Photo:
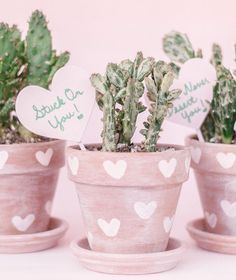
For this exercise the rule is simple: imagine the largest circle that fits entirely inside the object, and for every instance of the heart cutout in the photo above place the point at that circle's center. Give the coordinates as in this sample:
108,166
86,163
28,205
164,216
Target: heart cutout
3,158
167,223
73,163
226,160
61,113
115,170
211,219
44,158
145,211
22,224
109,229
167,168
228,208
196,79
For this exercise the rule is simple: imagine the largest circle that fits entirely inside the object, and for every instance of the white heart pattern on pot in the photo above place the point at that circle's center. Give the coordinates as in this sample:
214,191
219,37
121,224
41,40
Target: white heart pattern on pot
196,79
228,208
73,163
109,229
196,154
226,160
44,158
145,211
167,168
3,158
22,224
167,223
115,170
211,219
48,207
61,113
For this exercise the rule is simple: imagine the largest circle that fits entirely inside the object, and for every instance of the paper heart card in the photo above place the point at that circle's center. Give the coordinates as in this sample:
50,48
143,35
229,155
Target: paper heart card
61,112
196,80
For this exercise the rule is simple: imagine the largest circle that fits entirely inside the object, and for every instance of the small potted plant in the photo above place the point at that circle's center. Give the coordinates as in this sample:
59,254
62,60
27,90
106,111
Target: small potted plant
214,160
128,192
29,164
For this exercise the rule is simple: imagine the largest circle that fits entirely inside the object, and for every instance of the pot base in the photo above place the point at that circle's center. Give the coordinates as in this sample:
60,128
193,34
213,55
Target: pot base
28,243
129,263
224,244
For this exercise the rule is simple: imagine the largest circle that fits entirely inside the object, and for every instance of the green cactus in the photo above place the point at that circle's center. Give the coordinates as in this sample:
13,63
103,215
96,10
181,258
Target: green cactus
179,48
24,62
118,95
219,123
161,99
223,105
42,59
11,70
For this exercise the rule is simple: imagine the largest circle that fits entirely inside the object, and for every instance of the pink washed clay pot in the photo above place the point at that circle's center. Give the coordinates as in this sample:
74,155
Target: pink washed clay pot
128,200
215,171
28,179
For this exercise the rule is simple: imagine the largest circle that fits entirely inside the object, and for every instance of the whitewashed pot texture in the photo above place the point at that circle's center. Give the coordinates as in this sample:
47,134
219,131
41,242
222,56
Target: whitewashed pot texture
128,200
215,171
28,179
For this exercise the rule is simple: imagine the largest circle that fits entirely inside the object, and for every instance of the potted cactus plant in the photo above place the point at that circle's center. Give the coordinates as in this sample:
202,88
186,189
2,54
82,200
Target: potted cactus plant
214,160
129,192
29,164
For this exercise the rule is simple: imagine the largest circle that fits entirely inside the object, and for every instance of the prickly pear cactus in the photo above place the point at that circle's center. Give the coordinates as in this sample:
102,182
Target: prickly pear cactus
24,62
42,59
11,70
178,47
161,99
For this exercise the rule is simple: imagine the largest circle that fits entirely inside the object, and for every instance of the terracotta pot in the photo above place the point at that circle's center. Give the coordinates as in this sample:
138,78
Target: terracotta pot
28,178
128,200
215,170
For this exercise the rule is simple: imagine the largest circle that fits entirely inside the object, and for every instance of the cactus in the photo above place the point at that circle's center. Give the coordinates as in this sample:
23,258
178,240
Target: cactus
42,60
179,48
24,62
11,74
219,123
161,98
118,95
223,105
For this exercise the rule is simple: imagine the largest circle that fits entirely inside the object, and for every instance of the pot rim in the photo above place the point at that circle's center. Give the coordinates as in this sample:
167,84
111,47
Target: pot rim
177,149
26,145
194,138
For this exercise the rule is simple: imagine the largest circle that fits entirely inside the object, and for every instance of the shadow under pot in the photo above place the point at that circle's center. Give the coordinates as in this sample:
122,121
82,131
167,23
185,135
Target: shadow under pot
215,171
28,179
128,200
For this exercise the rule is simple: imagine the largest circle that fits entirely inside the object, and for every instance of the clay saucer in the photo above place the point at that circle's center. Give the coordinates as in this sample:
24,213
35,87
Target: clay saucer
224,244
129,263
28,243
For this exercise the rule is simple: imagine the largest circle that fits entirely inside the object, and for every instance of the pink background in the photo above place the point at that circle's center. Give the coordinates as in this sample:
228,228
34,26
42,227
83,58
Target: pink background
97,32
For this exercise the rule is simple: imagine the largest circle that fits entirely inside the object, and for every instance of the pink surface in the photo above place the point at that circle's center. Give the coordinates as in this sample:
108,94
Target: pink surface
108,30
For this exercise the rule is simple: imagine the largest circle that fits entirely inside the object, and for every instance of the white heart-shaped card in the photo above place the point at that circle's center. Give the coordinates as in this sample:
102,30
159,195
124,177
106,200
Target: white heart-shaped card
196,80
62,112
